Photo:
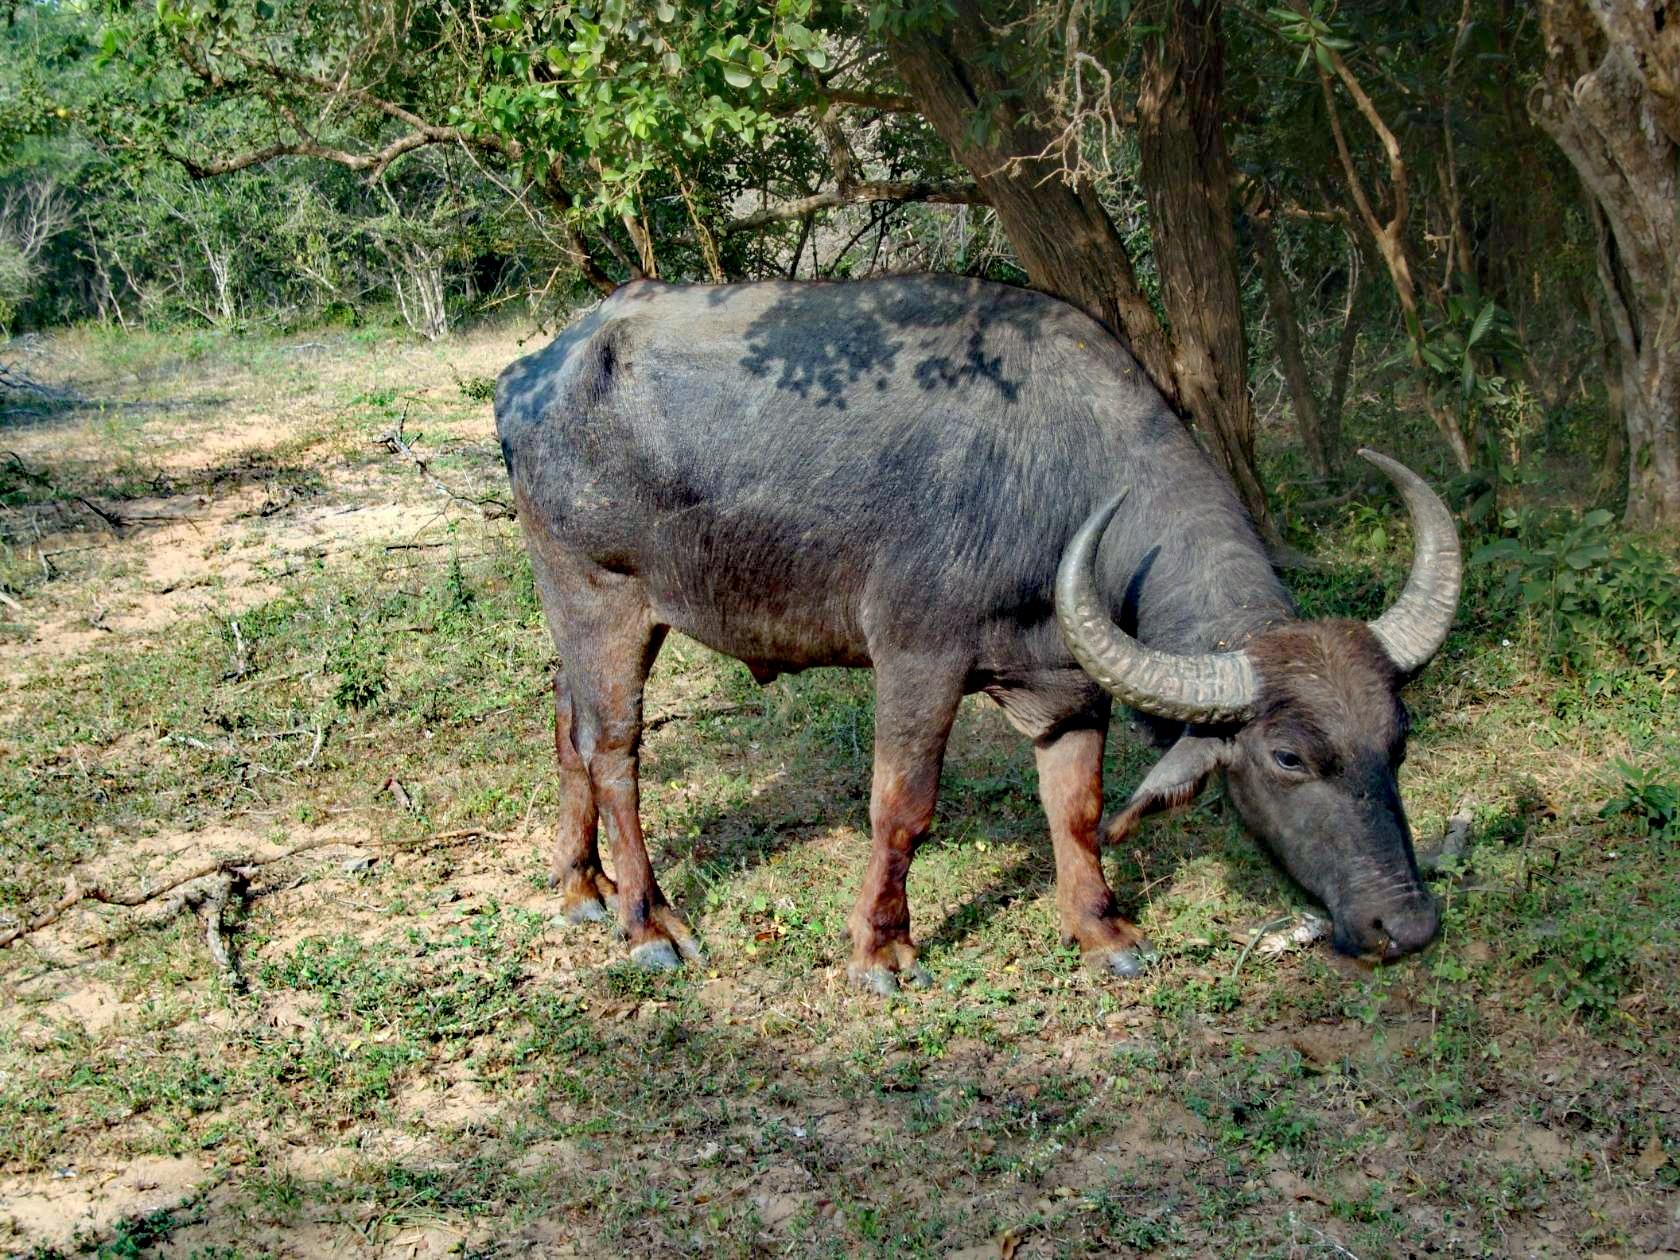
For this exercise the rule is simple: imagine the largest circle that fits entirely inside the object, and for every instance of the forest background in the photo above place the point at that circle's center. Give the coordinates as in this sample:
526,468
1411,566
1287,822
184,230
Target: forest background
1471,211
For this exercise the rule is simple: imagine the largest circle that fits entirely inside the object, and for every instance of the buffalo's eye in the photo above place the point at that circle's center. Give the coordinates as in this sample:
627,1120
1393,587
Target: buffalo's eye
1289,761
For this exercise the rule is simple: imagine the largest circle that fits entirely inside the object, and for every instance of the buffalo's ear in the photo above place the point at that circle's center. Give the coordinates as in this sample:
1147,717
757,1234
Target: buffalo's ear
1174,781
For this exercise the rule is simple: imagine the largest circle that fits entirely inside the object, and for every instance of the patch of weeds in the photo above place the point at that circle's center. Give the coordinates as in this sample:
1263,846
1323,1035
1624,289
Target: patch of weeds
1448,1079
1129,1217
278,1196
479,389
137,1236
374,399
357,666
1197,995
1586,959
625,980
1587,585
1646,798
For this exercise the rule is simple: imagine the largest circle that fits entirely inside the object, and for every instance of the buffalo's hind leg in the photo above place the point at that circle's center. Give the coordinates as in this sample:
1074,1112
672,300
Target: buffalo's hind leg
915,703
607,639
585,889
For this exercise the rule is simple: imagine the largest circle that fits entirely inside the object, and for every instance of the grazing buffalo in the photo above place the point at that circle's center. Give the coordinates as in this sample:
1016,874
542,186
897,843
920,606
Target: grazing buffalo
966,487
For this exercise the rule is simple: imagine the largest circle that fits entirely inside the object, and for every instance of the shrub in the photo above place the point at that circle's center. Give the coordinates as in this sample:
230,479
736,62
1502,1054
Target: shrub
1586,585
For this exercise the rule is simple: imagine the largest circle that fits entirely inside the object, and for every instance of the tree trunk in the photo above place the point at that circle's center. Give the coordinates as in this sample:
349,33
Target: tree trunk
1353,315
1063,237
1611,101
1281,302
1069,247
1187,181
1612,465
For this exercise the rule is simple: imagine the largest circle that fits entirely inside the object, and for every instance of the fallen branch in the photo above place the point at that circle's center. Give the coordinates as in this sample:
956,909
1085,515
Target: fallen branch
114,522
11,378
314,752
214,907
1281,935
685,715
238,868
78,893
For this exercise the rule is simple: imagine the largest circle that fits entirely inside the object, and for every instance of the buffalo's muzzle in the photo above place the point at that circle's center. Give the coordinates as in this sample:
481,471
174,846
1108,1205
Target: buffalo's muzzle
1391,932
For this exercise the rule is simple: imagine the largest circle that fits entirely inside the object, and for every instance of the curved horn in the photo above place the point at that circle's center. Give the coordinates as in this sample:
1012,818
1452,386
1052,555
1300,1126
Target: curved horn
1413,630
1211,687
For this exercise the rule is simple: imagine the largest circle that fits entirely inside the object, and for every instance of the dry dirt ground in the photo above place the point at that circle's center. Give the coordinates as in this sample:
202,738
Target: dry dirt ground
242,628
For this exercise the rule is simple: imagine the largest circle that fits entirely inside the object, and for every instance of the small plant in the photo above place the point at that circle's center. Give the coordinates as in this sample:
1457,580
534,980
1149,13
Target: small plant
359,667
479,389
1652,801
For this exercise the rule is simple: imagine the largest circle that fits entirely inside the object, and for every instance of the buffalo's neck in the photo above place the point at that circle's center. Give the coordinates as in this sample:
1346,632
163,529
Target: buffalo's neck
1199,591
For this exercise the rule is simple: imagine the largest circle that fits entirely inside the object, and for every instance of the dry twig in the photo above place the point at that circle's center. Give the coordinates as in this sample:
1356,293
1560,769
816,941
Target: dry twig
490,507
1455,841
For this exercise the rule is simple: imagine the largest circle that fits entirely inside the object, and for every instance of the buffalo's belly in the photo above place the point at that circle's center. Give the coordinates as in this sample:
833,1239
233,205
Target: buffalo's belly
777,599
772,637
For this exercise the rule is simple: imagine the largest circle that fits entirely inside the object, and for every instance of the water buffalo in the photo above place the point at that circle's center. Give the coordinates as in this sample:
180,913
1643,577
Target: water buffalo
918,475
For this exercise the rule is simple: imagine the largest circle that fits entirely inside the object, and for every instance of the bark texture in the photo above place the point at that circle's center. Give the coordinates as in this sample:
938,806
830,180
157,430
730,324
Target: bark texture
1611,101
1069,247
1187,182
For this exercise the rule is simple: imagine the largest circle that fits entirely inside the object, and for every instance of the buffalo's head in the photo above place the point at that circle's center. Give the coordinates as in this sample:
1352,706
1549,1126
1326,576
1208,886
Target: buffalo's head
1306,722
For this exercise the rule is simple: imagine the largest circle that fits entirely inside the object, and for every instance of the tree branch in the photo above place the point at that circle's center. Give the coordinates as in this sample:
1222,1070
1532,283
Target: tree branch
863,98
859,194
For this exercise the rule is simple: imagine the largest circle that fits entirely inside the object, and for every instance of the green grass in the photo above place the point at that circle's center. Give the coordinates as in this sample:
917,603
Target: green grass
418,1046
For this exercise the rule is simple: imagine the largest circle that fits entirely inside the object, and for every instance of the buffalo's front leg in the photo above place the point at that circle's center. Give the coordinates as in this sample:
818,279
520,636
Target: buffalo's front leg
1070,785
915,703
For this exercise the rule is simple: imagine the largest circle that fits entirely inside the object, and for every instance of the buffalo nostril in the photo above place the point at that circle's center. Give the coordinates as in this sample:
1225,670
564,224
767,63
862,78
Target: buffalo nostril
1386,944
1412,930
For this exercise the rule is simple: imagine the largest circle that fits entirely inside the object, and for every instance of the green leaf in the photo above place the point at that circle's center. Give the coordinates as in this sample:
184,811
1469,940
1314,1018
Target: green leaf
816,58
1484,321
1499,549
666,12
736,76
1586,557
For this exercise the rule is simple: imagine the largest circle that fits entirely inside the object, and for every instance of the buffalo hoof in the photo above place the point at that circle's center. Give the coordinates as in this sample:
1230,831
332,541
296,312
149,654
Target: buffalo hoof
581,912
885,982
679,934
1125,963
658,955
877,980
